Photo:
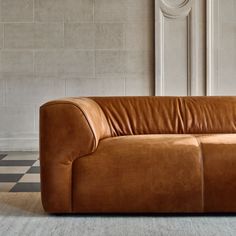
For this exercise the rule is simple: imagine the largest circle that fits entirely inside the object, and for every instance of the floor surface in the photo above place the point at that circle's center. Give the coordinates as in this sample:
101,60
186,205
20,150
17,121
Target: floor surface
19,172
22,214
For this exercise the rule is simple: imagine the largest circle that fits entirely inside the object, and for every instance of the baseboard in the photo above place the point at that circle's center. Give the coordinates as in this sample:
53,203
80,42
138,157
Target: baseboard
19,144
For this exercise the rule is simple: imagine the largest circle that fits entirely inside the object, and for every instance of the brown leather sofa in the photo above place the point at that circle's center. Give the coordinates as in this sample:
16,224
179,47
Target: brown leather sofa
138,155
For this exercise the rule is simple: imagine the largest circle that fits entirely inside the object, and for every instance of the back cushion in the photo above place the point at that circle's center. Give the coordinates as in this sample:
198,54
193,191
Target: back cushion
169,115
210,114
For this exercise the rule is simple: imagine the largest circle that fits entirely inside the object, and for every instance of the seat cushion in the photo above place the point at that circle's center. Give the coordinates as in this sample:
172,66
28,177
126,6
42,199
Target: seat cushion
143,173
219,158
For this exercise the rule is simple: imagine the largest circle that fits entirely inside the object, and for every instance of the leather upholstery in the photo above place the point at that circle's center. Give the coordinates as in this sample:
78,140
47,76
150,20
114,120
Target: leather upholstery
138,154
172,115
143,115
140,173
219,157
68,129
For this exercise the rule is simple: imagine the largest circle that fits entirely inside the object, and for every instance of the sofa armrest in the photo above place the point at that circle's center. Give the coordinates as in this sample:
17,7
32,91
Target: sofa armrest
69,128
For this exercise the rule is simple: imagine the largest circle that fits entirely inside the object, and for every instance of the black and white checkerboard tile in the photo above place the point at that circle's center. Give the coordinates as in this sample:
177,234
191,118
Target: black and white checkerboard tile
19,172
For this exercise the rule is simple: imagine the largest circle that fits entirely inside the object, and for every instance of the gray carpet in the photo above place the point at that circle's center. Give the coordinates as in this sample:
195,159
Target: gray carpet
22,214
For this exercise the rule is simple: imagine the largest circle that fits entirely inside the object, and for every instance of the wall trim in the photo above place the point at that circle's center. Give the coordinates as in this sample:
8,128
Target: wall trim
19,144
210,51
187,9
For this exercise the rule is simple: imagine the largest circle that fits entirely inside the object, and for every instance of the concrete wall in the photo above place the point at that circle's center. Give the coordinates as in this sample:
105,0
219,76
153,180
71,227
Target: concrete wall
57,48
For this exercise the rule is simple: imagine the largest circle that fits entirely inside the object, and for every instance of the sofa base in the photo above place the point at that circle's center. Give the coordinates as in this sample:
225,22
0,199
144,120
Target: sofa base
146,173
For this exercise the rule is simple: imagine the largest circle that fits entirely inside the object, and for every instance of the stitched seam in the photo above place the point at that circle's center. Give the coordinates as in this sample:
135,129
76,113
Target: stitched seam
185,114
108,120
203,176
181,114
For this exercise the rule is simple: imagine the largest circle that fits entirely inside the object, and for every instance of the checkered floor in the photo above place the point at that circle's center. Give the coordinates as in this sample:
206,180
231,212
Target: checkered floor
19,172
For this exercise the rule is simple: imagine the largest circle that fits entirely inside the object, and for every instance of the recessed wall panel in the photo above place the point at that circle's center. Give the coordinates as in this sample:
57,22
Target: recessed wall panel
221,50
179,47
175,55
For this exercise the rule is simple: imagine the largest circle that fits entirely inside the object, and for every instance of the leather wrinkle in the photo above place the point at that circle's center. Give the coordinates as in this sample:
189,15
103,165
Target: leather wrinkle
203,178
117,109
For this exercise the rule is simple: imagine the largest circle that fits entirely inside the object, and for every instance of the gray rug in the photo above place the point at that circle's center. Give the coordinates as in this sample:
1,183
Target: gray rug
22,214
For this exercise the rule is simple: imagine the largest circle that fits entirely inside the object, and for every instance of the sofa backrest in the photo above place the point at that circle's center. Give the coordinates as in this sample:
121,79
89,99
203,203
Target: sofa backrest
169,115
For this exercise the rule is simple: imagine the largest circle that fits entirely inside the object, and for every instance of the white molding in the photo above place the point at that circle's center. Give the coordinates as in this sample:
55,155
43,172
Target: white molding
213,40
171,4
193,50
173,12
19,144
187,9
159,64
217,65
210,51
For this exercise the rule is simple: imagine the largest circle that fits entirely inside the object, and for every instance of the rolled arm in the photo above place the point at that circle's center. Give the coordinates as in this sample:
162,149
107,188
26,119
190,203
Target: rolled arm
69,129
